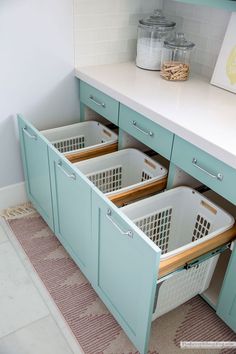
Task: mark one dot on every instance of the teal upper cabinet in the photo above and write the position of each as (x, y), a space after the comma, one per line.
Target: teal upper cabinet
(149, 133)
(72, 209)
(125, 265)
(34, 152)
(224, 4)
(205, 168)
(226, 308)
(99, 102)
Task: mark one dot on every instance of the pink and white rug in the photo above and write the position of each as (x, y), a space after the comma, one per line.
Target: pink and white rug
(91, 323)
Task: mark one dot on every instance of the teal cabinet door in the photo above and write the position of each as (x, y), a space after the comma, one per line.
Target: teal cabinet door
(72, 209)
(125, 269)
(34, 151)
(226, 308)
(223, 4)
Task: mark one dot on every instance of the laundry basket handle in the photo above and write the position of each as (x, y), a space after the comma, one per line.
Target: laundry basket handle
(125, 233)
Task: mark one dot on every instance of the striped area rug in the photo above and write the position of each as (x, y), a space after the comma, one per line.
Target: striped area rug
(91, 323)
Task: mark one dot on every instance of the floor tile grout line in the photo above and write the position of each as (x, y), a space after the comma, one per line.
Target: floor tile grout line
(41, 289)
(25, 326)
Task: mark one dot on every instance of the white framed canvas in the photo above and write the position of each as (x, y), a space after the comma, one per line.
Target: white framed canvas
(225, 70)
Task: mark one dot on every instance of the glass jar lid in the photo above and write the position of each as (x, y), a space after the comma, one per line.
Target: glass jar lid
(157, 21)
(179, 41)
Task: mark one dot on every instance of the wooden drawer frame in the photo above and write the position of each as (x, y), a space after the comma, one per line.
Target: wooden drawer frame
(89, 154)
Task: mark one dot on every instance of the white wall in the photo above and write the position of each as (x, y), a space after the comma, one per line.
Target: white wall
(106, 30)
(36, 72)
(203, 25)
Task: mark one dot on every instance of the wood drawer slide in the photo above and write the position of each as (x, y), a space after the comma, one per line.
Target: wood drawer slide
(178, 261)
(85, 155)
(120, 199)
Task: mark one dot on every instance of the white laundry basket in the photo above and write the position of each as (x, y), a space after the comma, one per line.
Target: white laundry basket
(177, 220)
(123, 171)
(84, 136)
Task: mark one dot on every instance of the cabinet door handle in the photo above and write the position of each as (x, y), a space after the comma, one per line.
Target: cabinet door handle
(72, 175)
(31, 136)
(218, 176)
(125, 233)
(101, 104)
(147, 133)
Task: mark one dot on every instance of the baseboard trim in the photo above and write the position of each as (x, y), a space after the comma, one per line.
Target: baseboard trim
(12, 195)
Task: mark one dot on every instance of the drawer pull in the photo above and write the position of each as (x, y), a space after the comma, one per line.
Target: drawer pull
(219, 176)
(101, 104)
(31, 136)
(125, 233)
(72, 175)
(148, 133)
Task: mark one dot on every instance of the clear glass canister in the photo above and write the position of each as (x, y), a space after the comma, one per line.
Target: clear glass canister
(152, 32)
(175, 63)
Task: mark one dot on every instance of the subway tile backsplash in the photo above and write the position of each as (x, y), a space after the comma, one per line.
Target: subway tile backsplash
(106, 30)
(205, 26)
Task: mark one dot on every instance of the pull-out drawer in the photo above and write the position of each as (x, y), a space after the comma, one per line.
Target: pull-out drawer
(149, 133)
(125, 269)
(71, 193)
(206, 168)
(128, 268)
(84, 140)
(34, 152)
(99, 102)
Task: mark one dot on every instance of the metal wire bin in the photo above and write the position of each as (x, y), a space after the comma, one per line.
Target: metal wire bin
(125, 175)
(82, 140)
(177, 220)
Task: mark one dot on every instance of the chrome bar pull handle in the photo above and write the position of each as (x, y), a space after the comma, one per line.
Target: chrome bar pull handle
(72, 175)
(125, 233)
(101, 104)
(147, 133)
(31, 136)
(218, 176)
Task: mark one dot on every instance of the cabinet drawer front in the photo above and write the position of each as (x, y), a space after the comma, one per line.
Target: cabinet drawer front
(71, 194)
(34, 152)
(207, 169)
(99, 102)
(146, 131)
(126, 264)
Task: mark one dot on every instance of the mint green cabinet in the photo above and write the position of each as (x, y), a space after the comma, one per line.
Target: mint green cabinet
(229, 5)
(72, 209)
(226, 308)
(34, 152)
(98, 102)
(124, 270)
(205, 168)
(143, 129)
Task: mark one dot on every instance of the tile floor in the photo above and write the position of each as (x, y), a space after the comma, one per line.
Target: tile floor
(29, 320)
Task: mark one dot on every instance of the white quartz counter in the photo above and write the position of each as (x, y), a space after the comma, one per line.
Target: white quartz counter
(195, 110)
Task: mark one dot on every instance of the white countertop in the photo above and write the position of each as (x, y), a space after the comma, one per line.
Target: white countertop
(195, 110)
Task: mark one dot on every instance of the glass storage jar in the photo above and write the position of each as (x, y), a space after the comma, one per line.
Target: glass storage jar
(152, 32)
(175, 63)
